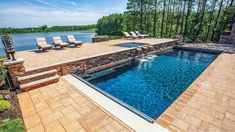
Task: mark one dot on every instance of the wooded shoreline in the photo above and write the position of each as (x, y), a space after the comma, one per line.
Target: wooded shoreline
(45, 28)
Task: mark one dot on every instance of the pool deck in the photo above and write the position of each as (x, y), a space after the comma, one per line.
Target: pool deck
(208, 104)
(59, 108)
(36, 59)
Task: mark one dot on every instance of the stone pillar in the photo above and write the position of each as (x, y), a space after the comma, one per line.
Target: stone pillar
(233, 34)
(16, 69)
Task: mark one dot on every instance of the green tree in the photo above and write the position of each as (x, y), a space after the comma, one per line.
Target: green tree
(195, 20)
(111, 25)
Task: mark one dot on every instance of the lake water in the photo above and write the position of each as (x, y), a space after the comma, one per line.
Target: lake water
(27, 41)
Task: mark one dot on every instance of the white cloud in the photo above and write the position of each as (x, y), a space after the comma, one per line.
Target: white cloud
(73, 3)
(52, 12)
(50, 5)
(32, 16)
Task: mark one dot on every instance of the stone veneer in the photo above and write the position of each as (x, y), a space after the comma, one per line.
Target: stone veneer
(16, 68)
(91, 64)
(228, 38)
(100, 39)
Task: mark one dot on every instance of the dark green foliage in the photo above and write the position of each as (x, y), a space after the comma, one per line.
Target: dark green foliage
(3, 73)
(111, 25)
(194, 20)
(15, 125)
(45, 28)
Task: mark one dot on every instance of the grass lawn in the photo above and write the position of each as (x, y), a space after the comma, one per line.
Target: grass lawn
(15, 125)
(111, 37)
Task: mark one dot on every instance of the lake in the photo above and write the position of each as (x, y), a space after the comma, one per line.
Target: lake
(27, 41)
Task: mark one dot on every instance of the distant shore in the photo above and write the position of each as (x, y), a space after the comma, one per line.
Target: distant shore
(45, 28)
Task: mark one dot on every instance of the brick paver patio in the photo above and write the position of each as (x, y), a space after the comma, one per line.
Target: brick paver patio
(59, 107)
(209, 103)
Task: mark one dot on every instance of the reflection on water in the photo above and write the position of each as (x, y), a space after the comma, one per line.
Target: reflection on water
(26, 41)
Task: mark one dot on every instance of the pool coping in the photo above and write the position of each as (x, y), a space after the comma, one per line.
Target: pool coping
(128, 117)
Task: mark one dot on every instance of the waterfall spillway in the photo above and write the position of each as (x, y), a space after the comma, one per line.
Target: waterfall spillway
(144, 51)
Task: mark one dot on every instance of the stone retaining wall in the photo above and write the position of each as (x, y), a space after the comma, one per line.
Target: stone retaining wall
(102, 62)
(82, 65)
(93, 64)
(103, 39)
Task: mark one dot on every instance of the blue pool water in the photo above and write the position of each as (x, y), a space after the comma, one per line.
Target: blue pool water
(152, 86)
(130, 45)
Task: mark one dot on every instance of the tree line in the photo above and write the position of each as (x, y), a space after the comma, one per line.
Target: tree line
(191, 20)
(45, 28)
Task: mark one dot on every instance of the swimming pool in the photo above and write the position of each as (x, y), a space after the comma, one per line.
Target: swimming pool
(152, 84)
(130, 45)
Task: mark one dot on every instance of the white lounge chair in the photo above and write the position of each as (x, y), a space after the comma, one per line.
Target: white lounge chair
(73, 41)
(58, 42)
(128, 36)
(134, 35)
(141, 35)
(42, 44)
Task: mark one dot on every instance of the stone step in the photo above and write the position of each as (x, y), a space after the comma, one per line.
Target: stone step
(39, 83)
(37, 76)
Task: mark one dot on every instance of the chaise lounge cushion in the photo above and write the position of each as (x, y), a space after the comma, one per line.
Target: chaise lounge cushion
(58, 42)
(134, 35)
(127, 35)
(141, 35)
(72, 40)
(42, 44)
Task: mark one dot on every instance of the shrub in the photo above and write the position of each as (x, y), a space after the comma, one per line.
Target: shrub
(1, 97)
(15, 125)
(3, 73)
(4, 105)
(6, 87)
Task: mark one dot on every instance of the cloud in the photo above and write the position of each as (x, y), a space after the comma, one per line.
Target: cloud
(31, 16)
(73, 3)
(50, 5)
(25, 13)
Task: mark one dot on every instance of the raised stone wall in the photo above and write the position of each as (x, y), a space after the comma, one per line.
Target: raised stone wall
(102, 62)
(102, 39)
(92, 64)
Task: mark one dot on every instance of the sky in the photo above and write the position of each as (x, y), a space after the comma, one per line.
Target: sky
(34, 13)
